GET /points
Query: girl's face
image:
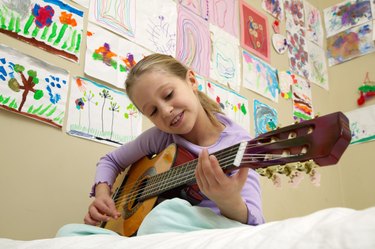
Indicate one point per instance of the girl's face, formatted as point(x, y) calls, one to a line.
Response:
point(168, 101)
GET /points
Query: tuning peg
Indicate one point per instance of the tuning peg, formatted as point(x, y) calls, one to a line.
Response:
point(276, 180)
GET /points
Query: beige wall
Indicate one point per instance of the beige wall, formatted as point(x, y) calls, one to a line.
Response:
point(45, 174)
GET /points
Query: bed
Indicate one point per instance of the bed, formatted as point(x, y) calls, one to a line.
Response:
point(327, 228)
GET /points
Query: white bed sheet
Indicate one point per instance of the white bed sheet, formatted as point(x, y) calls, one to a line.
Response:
point(329, 228)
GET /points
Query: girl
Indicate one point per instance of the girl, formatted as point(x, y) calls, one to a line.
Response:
point(166, 92)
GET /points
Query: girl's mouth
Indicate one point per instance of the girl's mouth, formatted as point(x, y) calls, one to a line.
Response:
point(177, 120)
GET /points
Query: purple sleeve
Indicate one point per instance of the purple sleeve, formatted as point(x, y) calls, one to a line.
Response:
point(112, 164)
point(252, 195)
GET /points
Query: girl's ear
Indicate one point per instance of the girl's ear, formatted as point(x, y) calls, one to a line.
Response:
point(192, 80)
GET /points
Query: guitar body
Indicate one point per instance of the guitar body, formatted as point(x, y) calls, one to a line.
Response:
point(132, 210)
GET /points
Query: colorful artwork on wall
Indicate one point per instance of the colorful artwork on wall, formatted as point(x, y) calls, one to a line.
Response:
point(297, 53)
point(198, 7)
point(274, 7)
point(313, 23)
point(225, 62)
point(318, 73)
point(254, 31)
point(302, 100)
point(362, 124)
point(109, 57)
point(295, 16)
point(101, 114)
point(31, 87)
point(265, 118)
point(193, 41)
point(346, 15)
point(286, 80)
point(259, 76)
point(349, 44)
point(225, 15)
point(52, 25)
point(233, 105)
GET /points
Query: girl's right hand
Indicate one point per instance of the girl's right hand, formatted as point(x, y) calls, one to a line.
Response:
point(102, 208)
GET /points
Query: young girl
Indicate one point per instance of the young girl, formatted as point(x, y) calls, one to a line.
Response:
point(166, 92)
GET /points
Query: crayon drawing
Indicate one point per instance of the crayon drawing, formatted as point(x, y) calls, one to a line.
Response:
point(225, 63)
point(52, 25)
point(31, 87)
point(156, 22)
point(101, 114)
point(313, 22)
point(302, 100)
point(198, 7)
point(318, 65)
point(254, 31)
point(232, 104)
point(274, 7)
point(295, 16)
point(259, 76)
point(109, 57)
point(265, 118)
point(362, 124)
point(346, 15)
point(349, 44)
point(117, 16)
point(193, 41)
point(297, 54)
point(225, 15)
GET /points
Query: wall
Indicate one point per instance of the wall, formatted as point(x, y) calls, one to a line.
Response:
point(45, 174)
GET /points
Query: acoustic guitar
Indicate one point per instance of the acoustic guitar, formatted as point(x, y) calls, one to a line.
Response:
point(323, 140)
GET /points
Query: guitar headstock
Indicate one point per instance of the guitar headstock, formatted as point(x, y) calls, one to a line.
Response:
point(323, 140)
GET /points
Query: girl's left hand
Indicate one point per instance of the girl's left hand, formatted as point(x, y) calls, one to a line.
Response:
point(215, 184)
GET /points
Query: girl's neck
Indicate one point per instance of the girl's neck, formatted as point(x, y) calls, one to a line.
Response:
point(205, 133)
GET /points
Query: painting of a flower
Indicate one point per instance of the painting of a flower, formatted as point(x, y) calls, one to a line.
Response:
point(43, 15)
point(66, 18)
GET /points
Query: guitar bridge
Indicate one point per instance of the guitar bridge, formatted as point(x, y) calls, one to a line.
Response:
point(239, 154)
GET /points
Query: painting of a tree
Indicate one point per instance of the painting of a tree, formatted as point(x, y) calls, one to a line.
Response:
point(94, 113)
point(31, 87)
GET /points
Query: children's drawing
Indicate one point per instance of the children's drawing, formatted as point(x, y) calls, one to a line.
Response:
point(362, 124)
point(349, 44)
point(318, 65)
point(31, 87)
point(346, 15)
point(286, 80)
point(279, 43)
point(313, 22)
point(52, 25)
point(198, 7)
point(254, 31)
point(201, 83)
point(193, 41)
point(233, 105)
point(117, 16)
point(225, 15)
point(274, 7)
point(302, 100)
point(297, 54)
point(110, 57)
point(156, 22)
point(101, 114)
point(225, 58)
point(259, 76)
point(265, 118)
point(295, 16)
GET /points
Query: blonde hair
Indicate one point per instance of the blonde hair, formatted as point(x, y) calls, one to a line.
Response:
point(174, 67)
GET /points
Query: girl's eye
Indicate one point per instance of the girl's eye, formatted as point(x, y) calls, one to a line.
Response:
point(169, 95)
point(153, 112)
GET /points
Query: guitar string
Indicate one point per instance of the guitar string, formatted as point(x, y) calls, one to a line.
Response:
point(189, 174)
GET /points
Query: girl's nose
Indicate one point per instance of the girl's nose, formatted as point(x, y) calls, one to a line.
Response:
point(167, 110)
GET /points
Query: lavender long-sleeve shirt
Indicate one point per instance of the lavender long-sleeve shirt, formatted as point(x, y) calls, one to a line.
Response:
point(153, 141)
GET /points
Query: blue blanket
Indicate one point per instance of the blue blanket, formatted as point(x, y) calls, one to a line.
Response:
point(175, 215)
